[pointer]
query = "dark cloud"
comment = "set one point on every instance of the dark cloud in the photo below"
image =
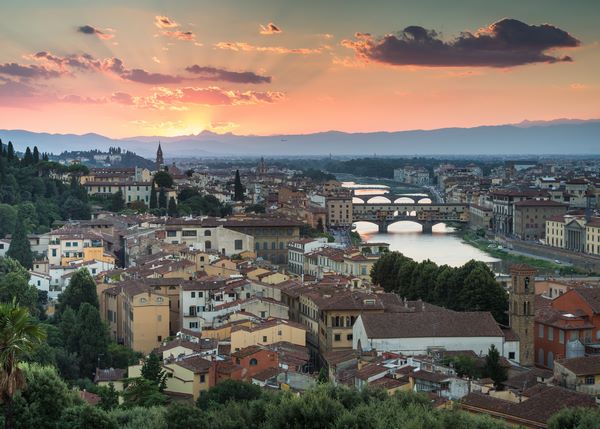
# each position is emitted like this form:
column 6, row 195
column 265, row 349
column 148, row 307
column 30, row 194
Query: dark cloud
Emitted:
column 505, row 43
column 28, row 71
column 216, row 74
column 88, row 29
column 269, row 29
column 142, row 76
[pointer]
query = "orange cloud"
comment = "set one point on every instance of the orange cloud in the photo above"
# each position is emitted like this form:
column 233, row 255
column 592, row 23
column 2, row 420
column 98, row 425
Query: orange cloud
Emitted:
column 246, row 47
column 270, row 29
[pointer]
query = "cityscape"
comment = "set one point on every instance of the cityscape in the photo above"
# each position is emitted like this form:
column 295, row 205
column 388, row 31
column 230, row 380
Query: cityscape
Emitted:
column 285, row 214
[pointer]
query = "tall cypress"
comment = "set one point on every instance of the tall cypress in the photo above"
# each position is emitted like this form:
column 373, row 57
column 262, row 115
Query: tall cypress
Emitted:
column 10, row 151
column 153, row 197
column 162, row 199
column 238, row 188
column 20, row 248
column 172, row 210
column 36, row 155
column 28, row 157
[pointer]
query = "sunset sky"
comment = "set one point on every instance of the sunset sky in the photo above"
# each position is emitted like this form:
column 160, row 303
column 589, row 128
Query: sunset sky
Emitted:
column 128, row 68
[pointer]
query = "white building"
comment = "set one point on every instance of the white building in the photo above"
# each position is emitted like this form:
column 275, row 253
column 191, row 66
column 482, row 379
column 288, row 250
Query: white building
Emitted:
column 207, row 234
column 297, row 249
column 413, row 333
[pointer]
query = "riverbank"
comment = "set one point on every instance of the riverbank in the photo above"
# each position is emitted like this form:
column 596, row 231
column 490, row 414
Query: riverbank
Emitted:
column 508, row 257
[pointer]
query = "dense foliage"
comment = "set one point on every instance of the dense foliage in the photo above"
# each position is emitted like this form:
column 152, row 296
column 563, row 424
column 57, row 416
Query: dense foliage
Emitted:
column 471, row 287
column 31, row 192
column 191, row 202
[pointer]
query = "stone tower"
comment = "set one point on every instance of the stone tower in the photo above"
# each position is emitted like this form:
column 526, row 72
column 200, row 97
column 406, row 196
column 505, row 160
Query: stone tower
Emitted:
column 521, row 310
column 159, row 158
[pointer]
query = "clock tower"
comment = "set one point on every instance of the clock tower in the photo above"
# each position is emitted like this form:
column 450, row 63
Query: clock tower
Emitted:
column 521, row 310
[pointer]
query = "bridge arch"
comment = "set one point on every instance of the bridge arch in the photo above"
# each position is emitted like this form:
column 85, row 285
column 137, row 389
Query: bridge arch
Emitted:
column 356, row 200
column 415, row 223
column 404, row 200
column 424, row 200
column 379, row 199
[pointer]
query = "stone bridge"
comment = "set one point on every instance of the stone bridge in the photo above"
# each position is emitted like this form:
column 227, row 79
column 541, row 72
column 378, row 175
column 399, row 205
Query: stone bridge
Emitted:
column 428, row 215
column 392, row 198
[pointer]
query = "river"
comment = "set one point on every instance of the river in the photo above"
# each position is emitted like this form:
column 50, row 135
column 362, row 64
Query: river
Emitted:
column 443, row 246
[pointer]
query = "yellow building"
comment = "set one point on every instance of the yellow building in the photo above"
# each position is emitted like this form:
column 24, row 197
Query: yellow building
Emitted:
column 269, row 332
column 136, row 315
column 223, row 332
column 185, row 378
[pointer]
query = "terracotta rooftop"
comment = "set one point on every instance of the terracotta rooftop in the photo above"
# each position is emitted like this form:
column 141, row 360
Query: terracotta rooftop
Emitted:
column 580, row 366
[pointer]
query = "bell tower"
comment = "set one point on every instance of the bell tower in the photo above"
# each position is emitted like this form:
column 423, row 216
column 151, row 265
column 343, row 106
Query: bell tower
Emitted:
column 521, row 310
column 159, row 158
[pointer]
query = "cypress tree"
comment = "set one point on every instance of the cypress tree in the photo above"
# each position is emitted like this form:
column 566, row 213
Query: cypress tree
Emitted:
column 238, row 188
column 10, row 151
column 28, row 157
column 20, row 248
column 172, row 210
column 45, row 157
column 36, row 155
column 162, row 199
column 153, row 198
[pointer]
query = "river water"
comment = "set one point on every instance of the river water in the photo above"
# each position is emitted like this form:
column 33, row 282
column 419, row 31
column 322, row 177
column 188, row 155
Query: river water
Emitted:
column 443, row 246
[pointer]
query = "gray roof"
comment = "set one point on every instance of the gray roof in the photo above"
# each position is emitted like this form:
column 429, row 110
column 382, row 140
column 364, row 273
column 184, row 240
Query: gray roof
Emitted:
column 431, row 324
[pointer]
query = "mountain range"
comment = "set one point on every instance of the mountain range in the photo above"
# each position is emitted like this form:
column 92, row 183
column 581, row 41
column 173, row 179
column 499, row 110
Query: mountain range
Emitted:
column 559, row 137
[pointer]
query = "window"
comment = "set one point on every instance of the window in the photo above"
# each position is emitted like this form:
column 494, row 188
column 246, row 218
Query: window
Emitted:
column 193, row 325
column 561, row 336
column 263, row 314
column 590, row 379
column 541, row 356
column 253, row 362
column 337, row 337
column 202, row 378
column 193, row 294
column 349, row 337
column 541, row 331
column 207, row 245
column 159, row 299
column 159, row 338
column 53, row 252
column 238, row 244
column 188, row 233
column 264, row 339
column 550, row 333
column 171, row 233
column 511, row 355
column 207, row 233
column 273, row 245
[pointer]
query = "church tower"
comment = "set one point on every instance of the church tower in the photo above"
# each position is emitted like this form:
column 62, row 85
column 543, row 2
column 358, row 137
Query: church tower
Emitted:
column 521, row 310
column 159, row 158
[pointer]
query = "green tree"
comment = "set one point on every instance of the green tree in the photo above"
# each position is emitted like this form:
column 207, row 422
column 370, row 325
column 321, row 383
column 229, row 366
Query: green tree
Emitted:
column 255, row 208
column 229, row 390
column 238, row 188
column 320, row 226
column 81, row 289
column 493, row 367
column 14, row 285
column 93, row 339
column 172, row 210
column 36, row 155
column 141, row 392
column 19, row 336
column 163, row 179
column 120, row 356
column 27, row 158
column 117, row 202
column 109, row 397
column 140, row 417
column 481, row 292
column 153, row 197
column 86, row 416
column 8, row 217
column 575, row 418
column 10, row 152
column 152, row 371
column 19, row 248
column 162, row 198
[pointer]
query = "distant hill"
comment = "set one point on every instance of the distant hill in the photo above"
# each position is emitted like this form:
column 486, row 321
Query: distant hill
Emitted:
column 571, row 137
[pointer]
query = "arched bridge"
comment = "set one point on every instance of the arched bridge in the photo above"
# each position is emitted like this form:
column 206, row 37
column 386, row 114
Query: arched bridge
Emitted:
column 427, row 215
column 392, row 199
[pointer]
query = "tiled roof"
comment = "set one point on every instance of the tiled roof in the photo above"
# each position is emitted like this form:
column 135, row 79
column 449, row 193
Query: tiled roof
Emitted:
column 195, row 364
column 538, row 408
column 587, row 365
column 430, row 324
